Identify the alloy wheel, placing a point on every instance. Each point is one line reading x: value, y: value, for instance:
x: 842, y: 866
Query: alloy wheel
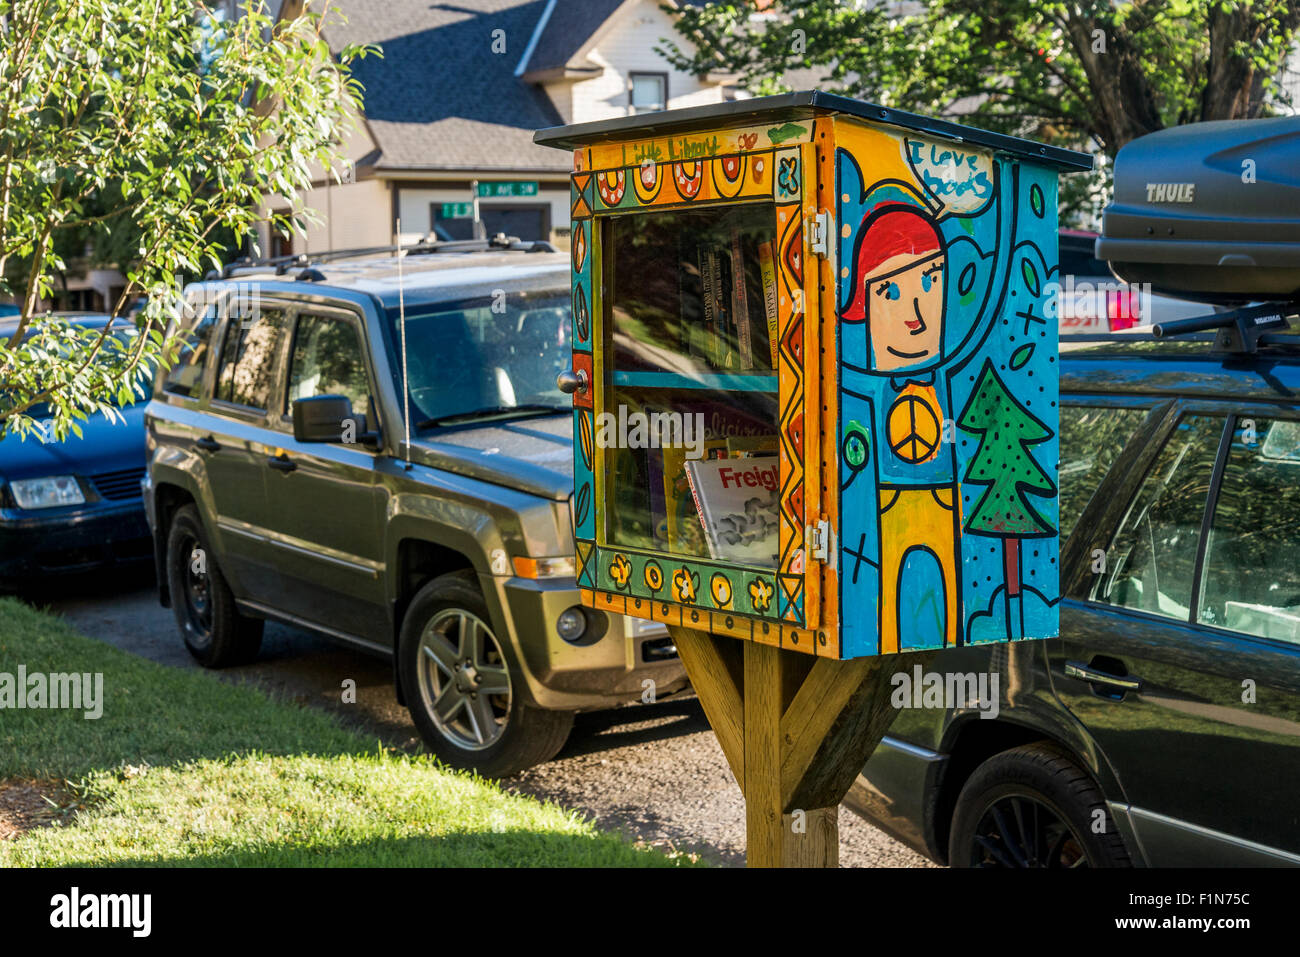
x: 464, y: 681
x: 1018, y: 830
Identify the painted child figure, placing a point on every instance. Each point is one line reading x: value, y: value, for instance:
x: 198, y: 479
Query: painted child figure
x: 898, y: 305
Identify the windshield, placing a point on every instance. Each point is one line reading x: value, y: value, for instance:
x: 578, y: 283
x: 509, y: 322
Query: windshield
x: 484, y: 354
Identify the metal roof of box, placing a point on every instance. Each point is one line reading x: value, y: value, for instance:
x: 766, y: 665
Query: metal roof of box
x: 794, y: 106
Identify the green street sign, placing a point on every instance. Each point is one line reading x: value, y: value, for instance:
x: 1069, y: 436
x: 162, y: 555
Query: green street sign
x: 457, y: 211
x: 508, y: 188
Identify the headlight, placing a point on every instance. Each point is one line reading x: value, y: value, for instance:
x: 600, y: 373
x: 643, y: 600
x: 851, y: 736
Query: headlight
x: 545, y: 567
x: 571, y: 624
x: 49, y: 492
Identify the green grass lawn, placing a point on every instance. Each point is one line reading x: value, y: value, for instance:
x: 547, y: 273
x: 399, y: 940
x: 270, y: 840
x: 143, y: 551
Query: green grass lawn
x: 184, y: 769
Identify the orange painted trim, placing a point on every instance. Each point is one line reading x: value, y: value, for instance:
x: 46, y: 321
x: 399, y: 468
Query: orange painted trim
x: 716, y: 622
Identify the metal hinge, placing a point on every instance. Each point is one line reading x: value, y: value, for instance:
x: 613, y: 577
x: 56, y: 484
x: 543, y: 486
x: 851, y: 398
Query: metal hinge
x: 818, y: 536
x: 822, y: 227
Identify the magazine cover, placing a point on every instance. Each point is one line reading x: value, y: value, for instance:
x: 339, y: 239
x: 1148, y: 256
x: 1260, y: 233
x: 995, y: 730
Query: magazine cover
x: 738, y: 502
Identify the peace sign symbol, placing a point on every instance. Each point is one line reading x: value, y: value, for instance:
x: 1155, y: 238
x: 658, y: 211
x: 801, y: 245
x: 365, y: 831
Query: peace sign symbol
x: 913, y: 428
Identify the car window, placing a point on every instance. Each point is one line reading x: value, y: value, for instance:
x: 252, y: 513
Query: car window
x: 500, y: 351
x: 327, y: 359
x: 186, y: 376
x: 1151, y: 563
x: 1091, y: 440
x: 1251, y: 581
x: 1077, y: 258
x: 248, y: 358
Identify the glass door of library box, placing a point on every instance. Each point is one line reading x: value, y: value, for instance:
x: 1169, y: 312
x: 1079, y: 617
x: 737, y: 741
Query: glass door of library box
x: 692, y: 281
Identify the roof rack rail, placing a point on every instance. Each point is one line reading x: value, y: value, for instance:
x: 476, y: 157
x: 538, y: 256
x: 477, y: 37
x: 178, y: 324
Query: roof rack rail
x: 1240, y: 330
x: 247, y: 262
x: 282, y: 264
x: 1125, y: 337
x: 499, y: 241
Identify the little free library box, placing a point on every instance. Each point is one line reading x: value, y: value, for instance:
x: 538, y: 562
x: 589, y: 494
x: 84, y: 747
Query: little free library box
x: 814, y: 374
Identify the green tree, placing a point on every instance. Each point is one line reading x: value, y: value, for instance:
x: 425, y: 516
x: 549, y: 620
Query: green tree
x: 1004, y: 464
x: 1071, y: 73
x: 1003, y: 461
x: 161, y: 122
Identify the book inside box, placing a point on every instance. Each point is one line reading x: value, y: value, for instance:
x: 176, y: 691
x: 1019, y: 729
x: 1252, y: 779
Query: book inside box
x: 689, y: 419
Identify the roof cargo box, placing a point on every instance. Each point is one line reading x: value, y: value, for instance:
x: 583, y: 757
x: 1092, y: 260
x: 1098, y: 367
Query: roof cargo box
x: 1209, y: 211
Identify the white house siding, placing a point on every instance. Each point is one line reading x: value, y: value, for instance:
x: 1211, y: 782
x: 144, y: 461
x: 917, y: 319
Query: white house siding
x: 627, y: 46
x: 354, y: 215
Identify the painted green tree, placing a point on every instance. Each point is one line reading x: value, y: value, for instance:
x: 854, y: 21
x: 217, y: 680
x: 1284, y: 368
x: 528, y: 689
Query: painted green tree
x: 1004, y: 464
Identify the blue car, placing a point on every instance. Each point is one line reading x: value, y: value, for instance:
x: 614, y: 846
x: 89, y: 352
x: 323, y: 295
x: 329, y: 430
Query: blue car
x: 74, y: 505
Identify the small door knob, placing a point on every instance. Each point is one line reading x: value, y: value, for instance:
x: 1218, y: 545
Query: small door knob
x: 570, y: 381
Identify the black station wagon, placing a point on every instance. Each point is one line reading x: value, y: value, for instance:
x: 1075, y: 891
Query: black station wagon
x: 1163, y: 727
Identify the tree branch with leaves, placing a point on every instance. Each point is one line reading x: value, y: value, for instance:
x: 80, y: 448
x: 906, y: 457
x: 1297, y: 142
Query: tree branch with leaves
x: 1087, y: 74
x: 153, y: 130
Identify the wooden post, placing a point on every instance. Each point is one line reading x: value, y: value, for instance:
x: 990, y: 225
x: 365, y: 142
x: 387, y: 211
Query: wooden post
x: 796, y: 730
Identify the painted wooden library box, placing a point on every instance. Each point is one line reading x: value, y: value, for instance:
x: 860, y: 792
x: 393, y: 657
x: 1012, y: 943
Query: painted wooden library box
x: 814, y: 374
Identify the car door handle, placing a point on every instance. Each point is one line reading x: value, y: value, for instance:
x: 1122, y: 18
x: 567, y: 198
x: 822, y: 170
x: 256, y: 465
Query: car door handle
x: 281, y: 463
x: 1077, y: 669
x: 208, y: 444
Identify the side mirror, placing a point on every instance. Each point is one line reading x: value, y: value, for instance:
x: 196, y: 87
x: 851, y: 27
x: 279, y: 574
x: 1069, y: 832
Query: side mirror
x: 329, y: 418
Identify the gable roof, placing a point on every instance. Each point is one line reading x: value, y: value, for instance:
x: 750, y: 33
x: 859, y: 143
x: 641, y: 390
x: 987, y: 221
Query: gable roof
x: 566, y: 31
x: 439, y: 98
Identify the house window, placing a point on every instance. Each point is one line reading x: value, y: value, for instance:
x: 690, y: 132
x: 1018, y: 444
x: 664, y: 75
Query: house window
x: 649, y: 92
x: 281, y: 245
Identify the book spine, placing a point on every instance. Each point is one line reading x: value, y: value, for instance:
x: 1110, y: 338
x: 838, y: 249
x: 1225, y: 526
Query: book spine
x: 767, y: 265
x: 723, y: 319
x: 659, y: 519
x: 684, y: 253
x: 740, y: 301
x: 699, y: 508
x: 707, y: 295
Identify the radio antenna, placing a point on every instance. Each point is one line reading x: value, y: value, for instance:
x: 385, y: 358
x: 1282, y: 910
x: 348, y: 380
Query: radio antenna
x: 401, y: 324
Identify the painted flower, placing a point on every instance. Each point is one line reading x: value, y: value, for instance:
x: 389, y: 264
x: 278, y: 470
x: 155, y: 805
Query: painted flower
x: 612, y: 184
x: 788, y: 177
x: 689, y: 175
x: 684, y: 584
x: 654, y: 576
x: 720, y: 589
x: 620, y: 569
x: 649, y: 174
x: 760, y: 593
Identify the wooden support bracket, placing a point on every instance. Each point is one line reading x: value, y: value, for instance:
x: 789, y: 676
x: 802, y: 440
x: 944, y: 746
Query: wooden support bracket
x: 796, y: 731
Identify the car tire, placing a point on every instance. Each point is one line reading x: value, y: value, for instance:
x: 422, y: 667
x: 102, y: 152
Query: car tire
x: 1033, y: 806
x: 214, y: 630
x: 447, y: 649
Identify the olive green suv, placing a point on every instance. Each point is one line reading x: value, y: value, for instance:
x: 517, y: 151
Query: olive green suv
x: 293, y: 477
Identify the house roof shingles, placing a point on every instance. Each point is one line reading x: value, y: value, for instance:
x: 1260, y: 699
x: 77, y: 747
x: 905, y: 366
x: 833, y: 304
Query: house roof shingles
x: 570, y: 26
x: 439, y: 98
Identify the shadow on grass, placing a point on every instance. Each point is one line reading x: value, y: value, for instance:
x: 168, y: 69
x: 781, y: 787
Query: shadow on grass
x: 176, y: 721
x: 513, y: 848
x: 148, y: 713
